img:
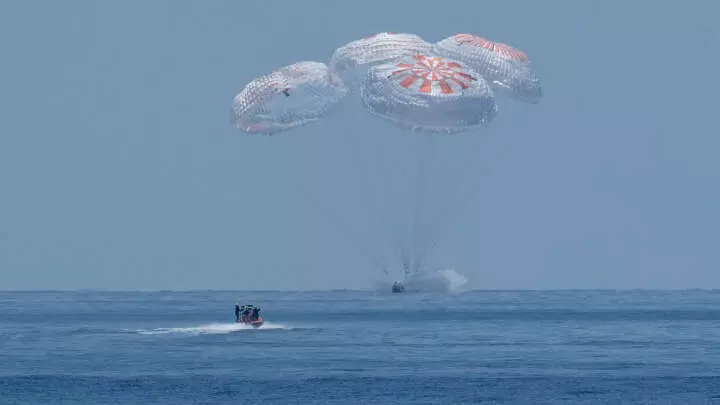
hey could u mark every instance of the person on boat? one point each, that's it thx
(255, 313)
(237, 312)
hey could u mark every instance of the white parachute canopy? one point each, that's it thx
(507, 69)
(291, 96)
(351, 61)
(430, 94)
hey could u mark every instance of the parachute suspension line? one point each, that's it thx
(352, 237)
(397, 179)
(377, 203)
(379, 213)
(382, 178)
(383, 206)
(454, 178)
(374, 206)
(391, 173)
(325, 211)
(453, 210)
(450, 215)
(444, 191)
(417, 200)
(373, 260)
(425, 144)
(410, 201)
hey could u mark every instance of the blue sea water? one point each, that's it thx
(344, 347)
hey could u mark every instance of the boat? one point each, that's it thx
(397, 287)
(247, 317)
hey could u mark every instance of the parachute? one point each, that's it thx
(427, 93)
(507, 69)
(351, 61)
(291, 96)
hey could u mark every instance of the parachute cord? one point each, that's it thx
(395, 203)
(451, 215)
(381, 204)
(350, 236)
(376, 193)
(450, 219)
(416, 203)
(377, 212)
(353, 239)
(450, 186)
(426, 154)
(326, 212)
(415, 194)
(388, 177)
(383, 178)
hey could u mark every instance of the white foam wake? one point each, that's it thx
(210, 329)
(454, 281)
(440, 281)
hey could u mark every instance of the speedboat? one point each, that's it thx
(248, 314)
(397, 287)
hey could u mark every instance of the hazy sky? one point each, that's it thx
(119, 168)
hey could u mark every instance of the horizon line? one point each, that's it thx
(190, 290)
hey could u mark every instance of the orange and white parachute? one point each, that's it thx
(352, 60)
(506, 68)
(448, 86)
(428, 93)
(289, 97)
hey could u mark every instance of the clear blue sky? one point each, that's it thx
(119, 168)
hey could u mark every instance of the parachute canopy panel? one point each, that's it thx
(507, 69)
(291, 96)
(430, 94)
(352, 60)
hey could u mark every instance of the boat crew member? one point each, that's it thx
(237, 312)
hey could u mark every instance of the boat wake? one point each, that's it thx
(210, 329)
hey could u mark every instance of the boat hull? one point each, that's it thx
(254, 324)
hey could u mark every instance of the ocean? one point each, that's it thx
(353, 347)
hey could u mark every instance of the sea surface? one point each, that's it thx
(345, 347)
